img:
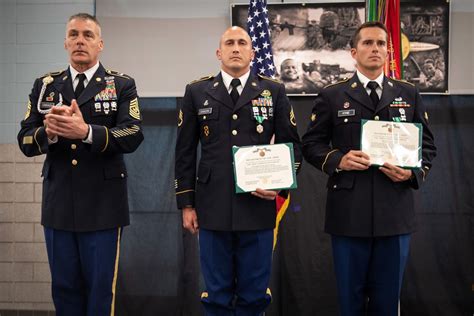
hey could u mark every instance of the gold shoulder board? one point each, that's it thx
(341, 81)
(53, 73)
(116, 73)
(268, 78)
(202, 79)
(403, 81)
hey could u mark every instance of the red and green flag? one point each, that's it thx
(388, 12)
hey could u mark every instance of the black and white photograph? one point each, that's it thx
(425, 41)
(311, 42)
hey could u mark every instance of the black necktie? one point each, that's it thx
(373, 93)
(80, 85)
(234, 94)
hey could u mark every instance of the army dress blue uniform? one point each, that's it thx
(366, 209)
(240, 222)
(84, 202)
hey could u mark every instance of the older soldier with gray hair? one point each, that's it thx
(83, 118)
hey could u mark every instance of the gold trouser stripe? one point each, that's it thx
(106, 139)
(181, 192)
(424, 173)
(326, 159)
(114, 282)
(39, 147)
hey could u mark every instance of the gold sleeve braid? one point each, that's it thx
(127, 131)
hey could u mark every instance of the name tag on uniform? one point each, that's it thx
(345, 113)
(205, 111)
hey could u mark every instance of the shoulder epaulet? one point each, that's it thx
(202, 79)
(336, 83)
(268, 78)
(403, 81)
(116, 73)
(53, 73)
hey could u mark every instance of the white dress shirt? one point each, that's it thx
(226, 78)
(365, 81)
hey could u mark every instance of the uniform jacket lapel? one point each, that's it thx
(356, 91)
(389, 92)
(218, 91)
(95, 85)
(64, 86)
(251, 91)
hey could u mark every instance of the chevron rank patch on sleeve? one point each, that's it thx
(134, 109)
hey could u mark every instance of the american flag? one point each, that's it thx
(258, 28)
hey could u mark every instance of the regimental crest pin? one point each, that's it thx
(50, 98)
(346, 105)
(266, 94)
(206, 102)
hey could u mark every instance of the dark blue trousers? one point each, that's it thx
(369, 273)
(83, 271)
(236, 267)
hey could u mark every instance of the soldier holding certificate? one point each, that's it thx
(370, 210)
(233, 108)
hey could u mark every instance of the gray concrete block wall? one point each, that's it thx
(31, 44)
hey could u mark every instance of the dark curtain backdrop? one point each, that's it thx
(159, 267)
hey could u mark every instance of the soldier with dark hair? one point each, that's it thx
(370, 211)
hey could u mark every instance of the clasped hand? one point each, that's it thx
(66, 121)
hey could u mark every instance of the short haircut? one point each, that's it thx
(84, 16)
(429, 61)
(356, 37)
